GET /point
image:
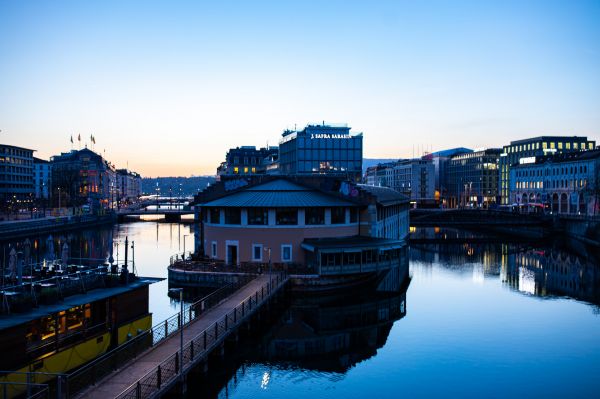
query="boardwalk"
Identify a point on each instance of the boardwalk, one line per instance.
(143, 376)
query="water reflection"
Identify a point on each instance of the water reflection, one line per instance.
(540, 271)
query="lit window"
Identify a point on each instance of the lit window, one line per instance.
(246, 170)
(560, 146)
(236, 170)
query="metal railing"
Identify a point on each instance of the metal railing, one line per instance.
(167, 373)
(102, 366)
(39, 289)
(219, 266)
(32, 384)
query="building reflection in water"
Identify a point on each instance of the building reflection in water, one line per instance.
(334, 333)
(543, 271)
(316, 333)
(550, 272)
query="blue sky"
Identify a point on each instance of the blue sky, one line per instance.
(168, 87)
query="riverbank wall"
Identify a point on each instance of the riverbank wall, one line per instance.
(25, 228)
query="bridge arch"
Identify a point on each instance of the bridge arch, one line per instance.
(531, 197)
(524, 198)
(554, 203)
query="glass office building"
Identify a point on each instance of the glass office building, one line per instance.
(321, 150)
(528, 149)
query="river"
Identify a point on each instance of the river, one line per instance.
(474, 320)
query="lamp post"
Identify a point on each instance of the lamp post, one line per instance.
(180, 291)
(268, 250)
(184, 237)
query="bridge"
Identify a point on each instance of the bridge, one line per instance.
(166, 363)
(172, 212)
(509, 224)
(474, 217)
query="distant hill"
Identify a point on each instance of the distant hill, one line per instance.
(177, 186)
(367, 162)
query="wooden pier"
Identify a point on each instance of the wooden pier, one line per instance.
(163, 366)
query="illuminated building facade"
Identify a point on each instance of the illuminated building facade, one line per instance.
(567, 183)
(535, 147)
(472, 179)
(322, 150)
(16, 175)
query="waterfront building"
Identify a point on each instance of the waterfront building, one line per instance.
(379, 175)
(312, 222)
(16, 176)
(440, 160)
(322, 150)
(248, 160)
(129, 186)
(536, 147)
(415, 178)
(42, 175)
(82, 177)
(561, 183)
(472, 179)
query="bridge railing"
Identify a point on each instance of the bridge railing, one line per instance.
(168, 371)
(102, 366)
(220, 266)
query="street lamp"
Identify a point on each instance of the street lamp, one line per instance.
(180, 291)
(268, 250)
(184, 237)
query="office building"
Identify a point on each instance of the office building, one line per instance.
(322, 150)
(567, 183)
(536, 147)
(440, 161)
(42, 175)
(16, 176)
(248, 160)
(472, 179)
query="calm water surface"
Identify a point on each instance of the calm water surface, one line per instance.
(487, 320)
(480, 321)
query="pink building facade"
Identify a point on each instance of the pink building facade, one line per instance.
(271, 221)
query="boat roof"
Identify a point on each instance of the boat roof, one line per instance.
(15, 319)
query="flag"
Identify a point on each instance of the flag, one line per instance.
(93, 139)
(79, 137)
(71, 139)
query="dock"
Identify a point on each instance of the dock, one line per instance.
(161, 367)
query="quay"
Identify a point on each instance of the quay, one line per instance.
(162, 367)
(24, 228)
(585, 229)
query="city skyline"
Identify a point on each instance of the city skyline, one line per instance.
(168, 90)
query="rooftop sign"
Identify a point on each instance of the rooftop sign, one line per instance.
(330, 136)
